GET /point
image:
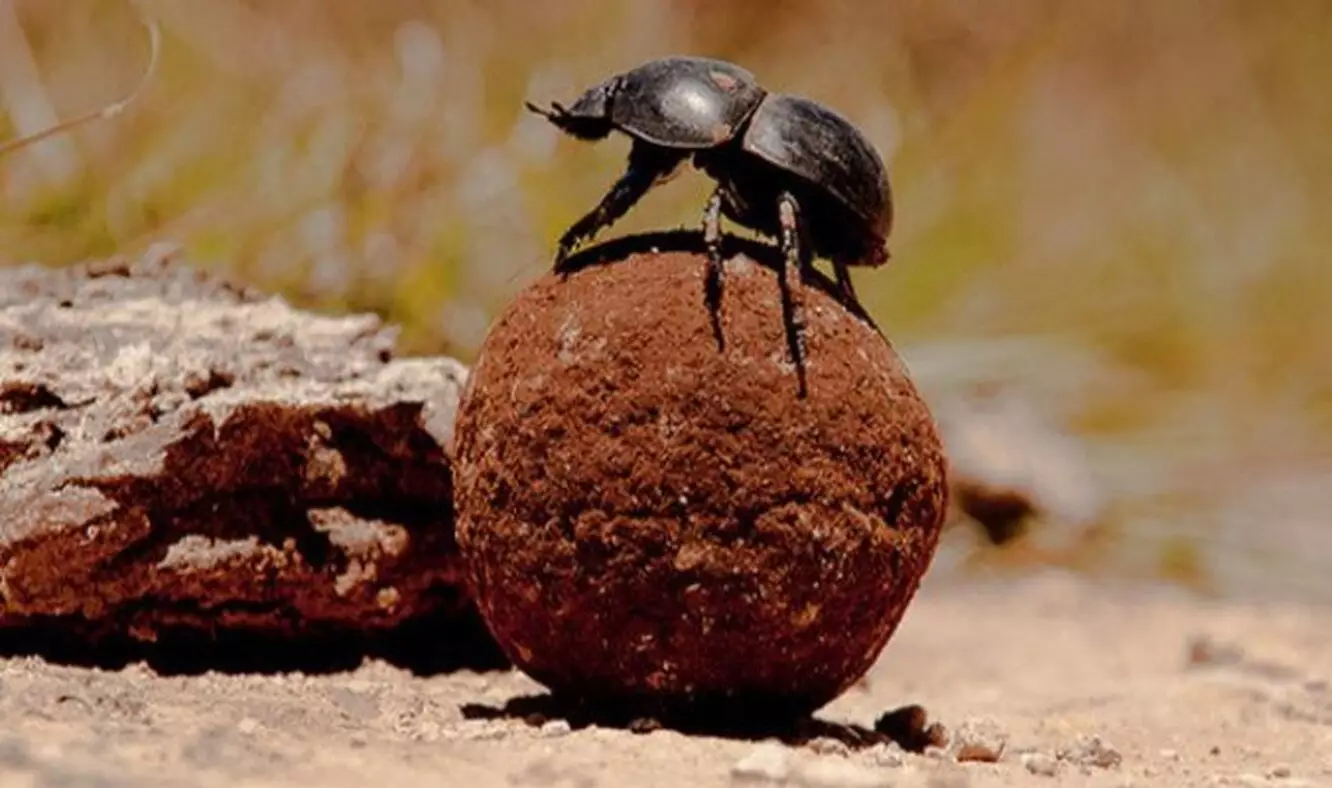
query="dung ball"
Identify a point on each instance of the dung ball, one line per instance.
(649, 518)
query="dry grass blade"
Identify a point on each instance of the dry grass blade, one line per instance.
(110, 110)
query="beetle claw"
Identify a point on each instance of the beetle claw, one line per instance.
(561, 256)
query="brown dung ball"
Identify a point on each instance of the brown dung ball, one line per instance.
(649, 520)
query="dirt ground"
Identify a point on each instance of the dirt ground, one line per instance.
(1073, 683)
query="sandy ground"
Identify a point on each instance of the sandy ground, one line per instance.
(1077, 684)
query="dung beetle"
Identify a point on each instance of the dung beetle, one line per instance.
(784, 165)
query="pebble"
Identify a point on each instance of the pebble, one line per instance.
(553, 729)
(1279, 772)
(769, 761)
(889, 755)
(1091, 751)
(910, 727)
(978, 740)
(247, 726)
(1204, 650)
(827, 746)
(1040, 764)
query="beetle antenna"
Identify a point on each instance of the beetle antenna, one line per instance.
(553, 114)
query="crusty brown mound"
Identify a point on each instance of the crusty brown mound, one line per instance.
(184, 460)
(649, 520)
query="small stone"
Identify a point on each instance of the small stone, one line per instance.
(978, 740)
(644, 725)
(1040, 764)
(1091, 751)
(1203, 650)
(768, 762)
(1279, 772)
(910, 728)
(247, 726)
(889, 755)
(556, 728)
(1170, 755)
(976, 752)
(826, 746)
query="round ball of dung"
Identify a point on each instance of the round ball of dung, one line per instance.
(649, 519)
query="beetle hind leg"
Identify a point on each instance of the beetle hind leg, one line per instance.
(845, 286)
(646, 168)
(796, 256)
(712, 283)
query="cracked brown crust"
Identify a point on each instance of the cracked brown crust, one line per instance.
(648, 518)
(180, 454)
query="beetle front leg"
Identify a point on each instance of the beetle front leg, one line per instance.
(795, 256)
(712, 283)
(646, 168)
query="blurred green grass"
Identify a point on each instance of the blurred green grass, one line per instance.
(1149, 181)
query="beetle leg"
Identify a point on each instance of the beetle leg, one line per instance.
(845, 285)
(712, 284)
(795, 256)
(646, 169)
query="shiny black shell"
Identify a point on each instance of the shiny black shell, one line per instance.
(805, 138)
(682, 102)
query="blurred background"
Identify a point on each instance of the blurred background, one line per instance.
(1109, 262)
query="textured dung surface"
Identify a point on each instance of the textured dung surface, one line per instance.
(178, 455)
(645, 517)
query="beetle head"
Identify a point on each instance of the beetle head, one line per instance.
(588, 118)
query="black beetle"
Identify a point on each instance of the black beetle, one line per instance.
(784, 165)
